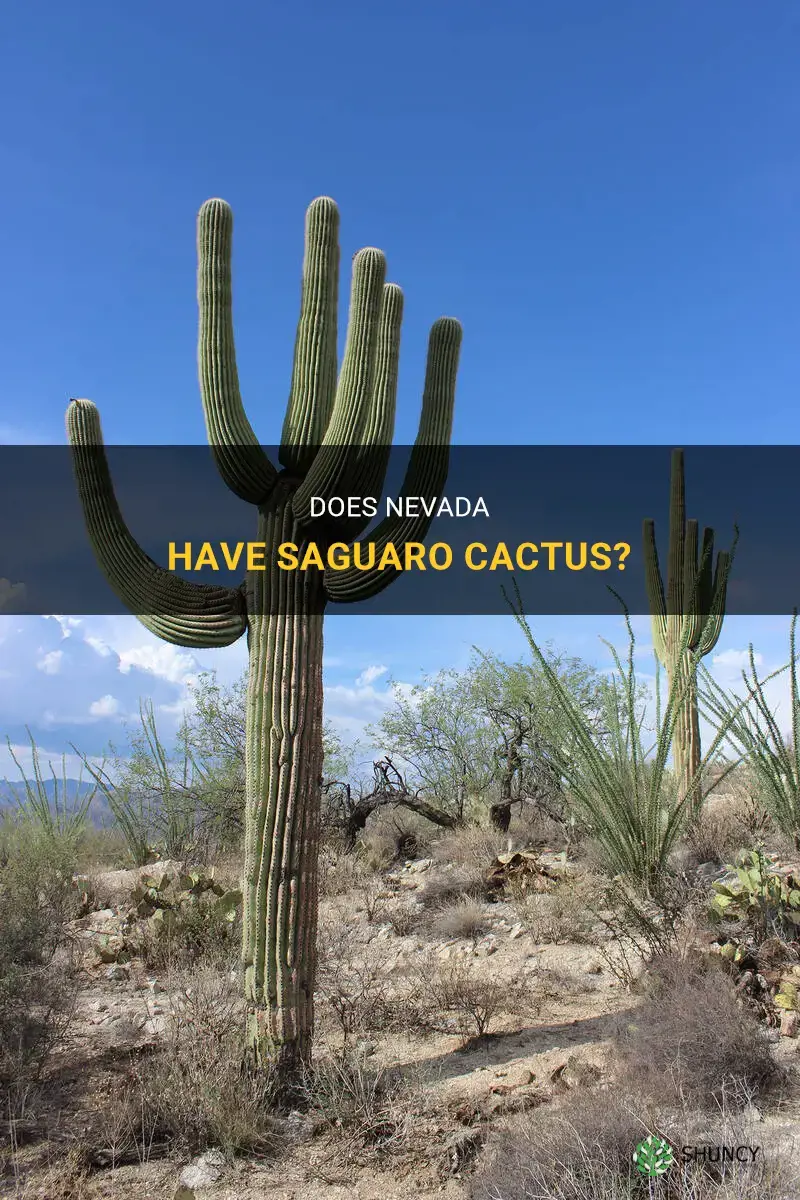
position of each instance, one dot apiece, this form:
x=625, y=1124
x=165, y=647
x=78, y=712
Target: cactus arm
x=705, y=586
x=692, y=583
x=334, y=471
x=186, y=614
x=677, y=535
x=240, y=458
x=369, y=460
x=655, y=589
x=427, y=469
x=315, y=364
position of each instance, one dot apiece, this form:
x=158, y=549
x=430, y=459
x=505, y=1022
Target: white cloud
x=98, y=645
x=106, y=706
x=369, y=675
x=736, y=659
x=50, y=663
x=67, y=623
x=162, y=659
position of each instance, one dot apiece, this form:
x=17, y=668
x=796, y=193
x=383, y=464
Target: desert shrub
x=620, y=788
x=464, y=918
x=456, y=883
x=377, y=849
x=692, y=1037
x=457, y=996
x=471, y=847
x=720, y=830
x=339, y=872
x=583, y=1150
x=564, y=914
x=352, y=980
x=773, y=758
x=366, y=1106
x=632, y=930
x=193, y=1093
x=369, y=895
x=759, y=898
x=104, y=849
x=37, y=897
x=391, y=835
x=403, y=920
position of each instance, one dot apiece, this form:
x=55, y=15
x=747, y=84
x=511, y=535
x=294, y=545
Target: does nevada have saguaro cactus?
x=336, y=441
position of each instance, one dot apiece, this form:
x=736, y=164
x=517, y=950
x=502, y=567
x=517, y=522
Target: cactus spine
x=336, y=441
x=686, y=616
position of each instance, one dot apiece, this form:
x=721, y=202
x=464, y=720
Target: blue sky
x=606, y=195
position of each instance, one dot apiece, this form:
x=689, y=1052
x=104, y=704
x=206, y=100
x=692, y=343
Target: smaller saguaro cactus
x=686, y=614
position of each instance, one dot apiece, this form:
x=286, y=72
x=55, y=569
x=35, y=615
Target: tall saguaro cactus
x=336, y=441
x=686, y=614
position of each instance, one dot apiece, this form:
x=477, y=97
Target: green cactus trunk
x=283, y=776
x=686, y=748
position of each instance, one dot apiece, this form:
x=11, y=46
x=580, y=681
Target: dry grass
x=37, y=970
x=561, y=915
x=464, y=918
x=452, y=885
x=193, y=1093
x=582, y=1150
x=473, y=847
x=691, y=1037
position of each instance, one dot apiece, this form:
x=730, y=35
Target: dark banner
x=562, y=523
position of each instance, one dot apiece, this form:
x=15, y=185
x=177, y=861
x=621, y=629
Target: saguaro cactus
x=686, y=615
x=336, y=442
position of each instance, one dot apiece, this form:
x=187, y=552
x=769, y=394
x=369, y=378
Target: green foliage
x=37, y=896
x=766, y=901
x=190, y=915
x=622, y=789
x=183, y=802
x=488, y=733
x=55, y=814
x=772, y=757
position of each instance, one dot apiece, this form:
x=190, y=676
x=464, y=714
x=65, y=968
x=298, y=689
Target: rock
x=460, y=1148
x=203, y=1172
x=486, y=946
x=574, y=1073
x=517, y=1102
x=790, y=1022
x=421, y=864
x=118, y=973
x=299, y=1127
x=516, y=931
x=365, y=1048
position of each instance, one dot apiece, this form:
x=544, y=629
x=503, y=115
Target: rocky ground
x=549, y=1035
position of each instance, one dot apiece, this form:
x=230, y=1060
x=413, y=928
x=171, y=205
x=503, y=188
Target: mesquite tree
x=687, y=611
x=336, y=441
